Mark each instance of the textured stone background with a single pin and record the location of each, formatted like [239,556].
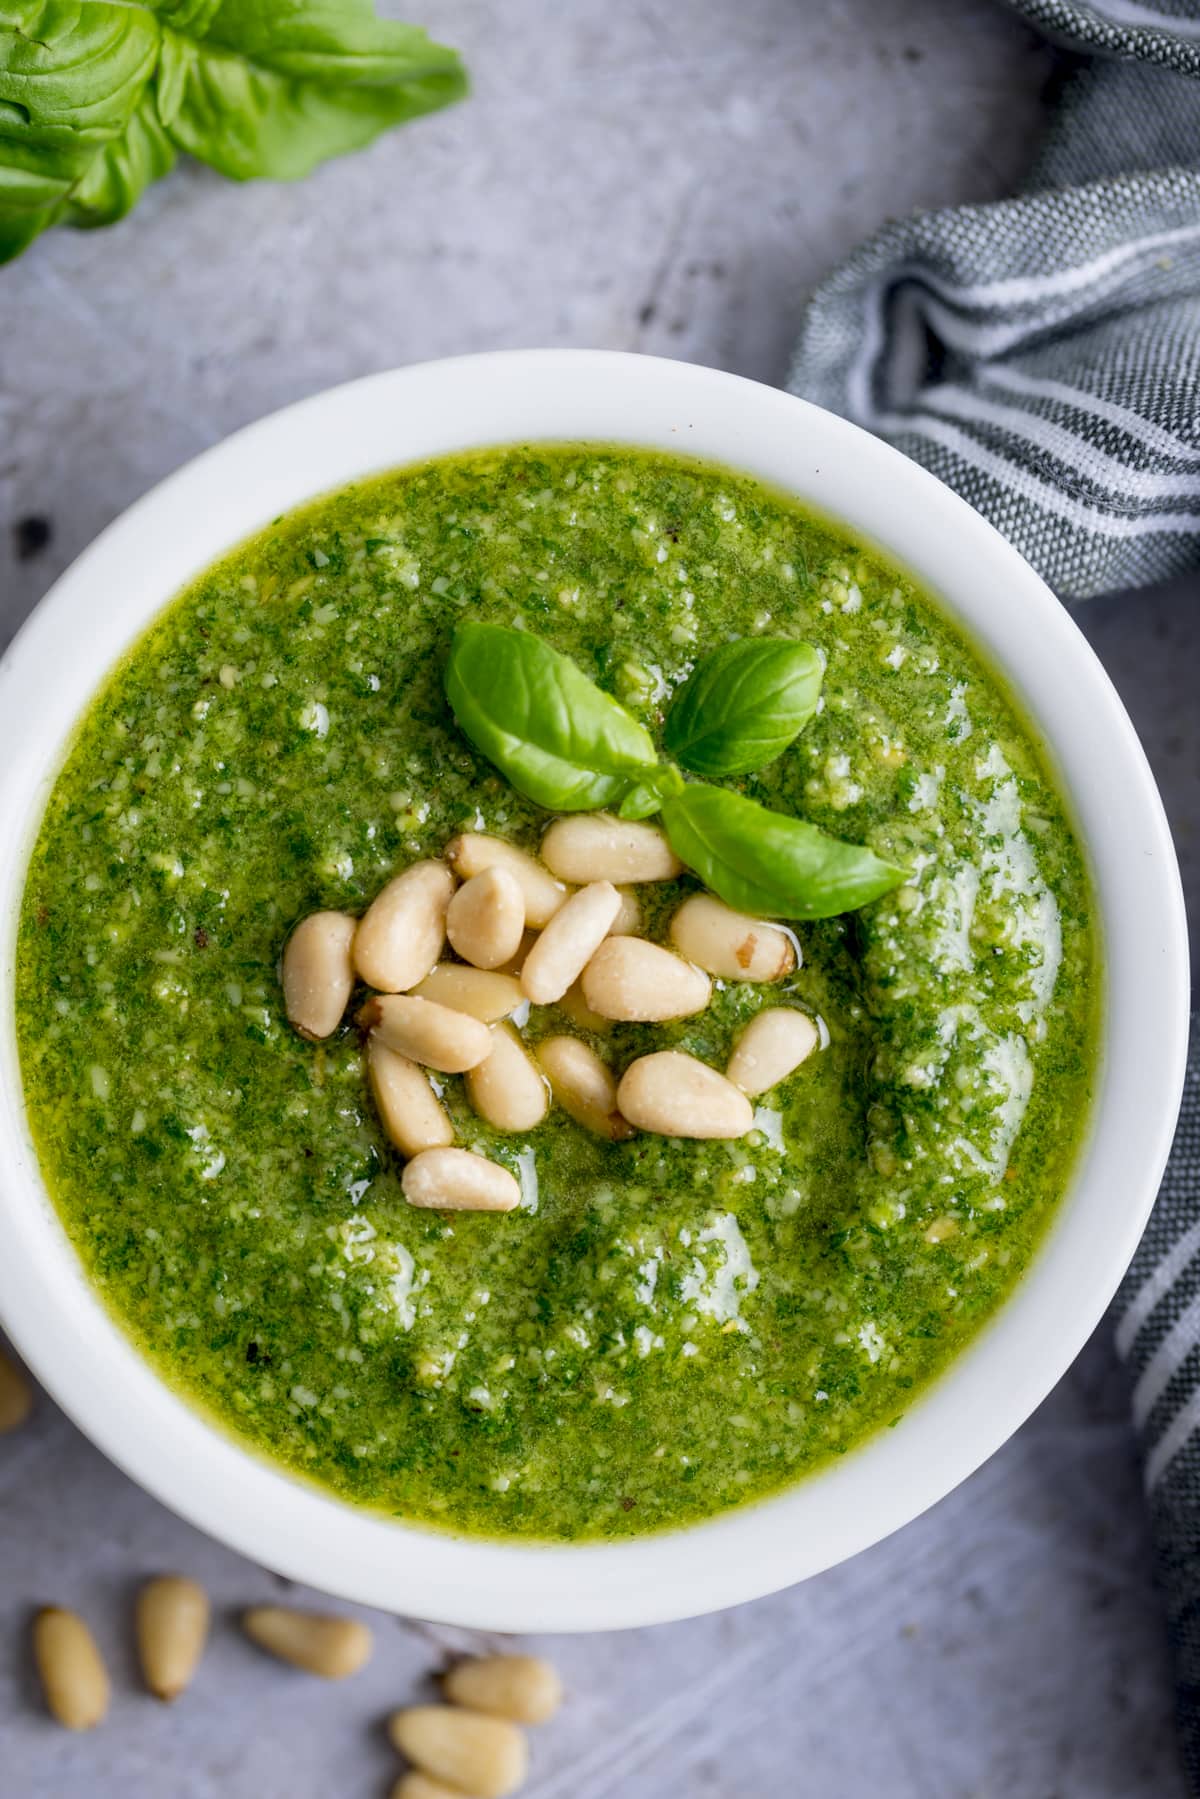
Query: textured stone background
[642,176]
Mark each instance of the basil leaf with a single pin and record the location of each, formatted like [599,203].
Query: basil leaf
[558,738]
[341,41]
[743,705]
[274,90]
[71,78]
[647,796]
[768,863]
[119,175]
[192,17]
[96,96]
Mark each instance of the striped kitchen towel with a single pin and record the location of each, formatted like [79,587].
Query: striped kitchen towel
[1157,1313]
[1042,356]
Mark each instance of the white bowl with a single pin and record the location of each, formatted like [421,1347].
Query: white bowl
[106,600]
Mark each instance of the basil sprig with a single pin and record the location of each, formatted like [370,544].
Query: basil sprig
[743,705]
[560,740]
[97,97]
[570,747]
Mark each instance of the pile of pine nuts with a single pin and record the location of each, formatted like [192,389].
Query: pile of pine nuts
[471,1748]
[561,932]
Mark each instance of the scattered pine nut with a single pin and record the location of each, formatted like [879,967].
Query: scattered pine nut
[508,1089]
[412,1116]
[941,1230]
[315,1641]
[585,1089]
[728,943]
[568,942]
[675,1095]
[318,973]
[471,853]
[71,1668]
[401,935]
[595,846]
[631,979]
[771,1047]
[486,918]
[521,1687]
[16,1394]
[484,993]
[472,1753]
[457,1180]
[415,1785]
[172,1629]
[436,1036]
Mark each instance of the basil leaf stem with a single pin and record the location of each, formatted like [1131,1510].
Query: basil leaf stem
[647,796]
[743,705]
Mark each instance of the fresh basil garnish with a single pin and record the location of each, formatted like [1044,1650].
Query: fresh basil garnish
[560,740]
[768,863]
[96,99]
[743,705]
[570,747]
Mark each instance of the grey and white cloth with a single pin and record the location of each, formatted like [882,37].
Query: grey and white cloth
[1042,356]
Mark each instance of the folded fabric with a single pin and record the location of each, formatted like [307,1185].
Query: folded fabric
[1042,356]
[1157,1315]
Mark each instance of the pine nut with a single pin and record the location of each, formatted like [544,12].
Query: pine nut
[631,979]
[580,1013]
[436,1036]
[412,1116]
[595,846]
[480,992]
[677,1096]
[729,944]
[457,1180]
[629,919]
[315,1641]
[16,1394]
[771,1047]
[172,1628]
[486,1757]
[486,917]
[508,1089]
[71,1668]
[471,853]
[521,1687]
[415,1785]
[568,942]
[400,936]
[584,1088]
[318,972]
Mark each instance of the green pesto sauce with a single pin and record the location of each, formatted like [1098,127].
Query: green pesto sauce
[664,1329]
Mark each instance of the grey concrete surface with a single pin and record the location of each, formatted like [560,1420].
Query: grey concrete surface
[665,178]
